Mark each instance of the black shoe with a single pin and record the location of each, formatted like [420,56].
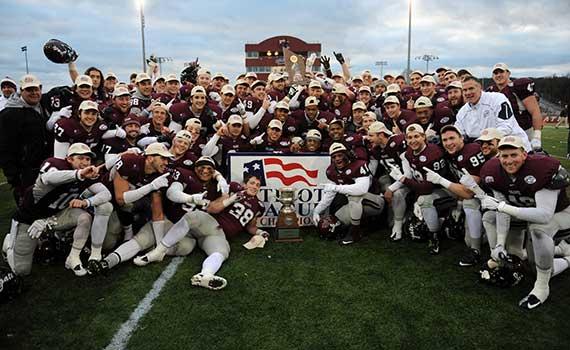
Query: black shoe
[95,267]
[433,246]
[473,257]
[352,236]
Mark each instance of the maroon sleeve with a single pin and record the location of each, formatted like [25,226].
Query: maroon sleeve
[523,88]
[63,130]
[235,187]
[127,165]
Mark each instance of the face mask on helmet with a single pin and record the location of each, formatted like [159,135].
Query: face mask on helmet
[504,274]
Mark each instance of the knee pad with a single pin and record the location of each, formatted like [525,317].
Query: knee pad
[104,209]
[490,217]
[425,201]
[145,238]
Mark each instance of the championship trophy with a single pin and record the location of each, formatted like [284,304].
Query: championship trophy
[287,227]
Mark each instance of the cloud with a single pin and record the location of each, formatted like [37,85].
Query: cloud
[530,36]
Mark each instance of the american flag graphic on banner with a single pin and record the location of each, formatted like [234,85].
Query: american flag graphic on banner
[286,172]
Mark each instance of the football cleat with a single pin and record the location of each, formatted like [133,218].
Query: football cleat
[395,236]
[212,282]
[353,235]
[95,267]
[433,246]
[157,254]
[471,258]
[74,264]
[530,302]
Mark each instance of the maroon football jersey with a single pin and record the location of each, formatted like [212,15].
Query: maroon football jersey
[516,91]
[430,157]
[535,174]
[346,176]
[343,112]
[166,98]
[42,200]
[72,131]
[181,112]
[252,104]
[281,145]
[116,145]
[131,168]
[113,116]
[138,101]
[191,185]
[470,158]
[235,218]
[354,143]
[390,155]
[186,161]
[410,93]
[304,124]
[406,118]
[276,95]
[238,144]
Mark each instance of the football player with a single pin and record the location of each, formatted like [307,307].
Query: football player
[277,90]
[171,92]
[428,88]
[57,194]
[311,117]
[355,143]
[355,123]
[133,177]
[141,98]
[312,142]
[110,82]
[114,114]
[272,140]
[340,103]
[350,178]
[115,145]
[397,119]
[432,119]
[229,137]
[486,110]
[531,188]
[88,129]
[463,157]
[387,149]
[455,96]
[421,159]
[159,127]
[489,141]
[241,86]
[225,218]
[520,93]
[194,126]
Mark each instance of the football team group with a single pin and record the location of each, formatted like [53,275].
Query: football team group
[138,169]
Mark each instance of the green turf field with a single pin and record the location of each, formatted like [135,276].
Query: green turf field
[313,295]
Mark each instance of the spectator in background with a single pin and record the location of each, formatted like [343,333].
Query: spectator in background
[8,89]
[563,116]
[24,140]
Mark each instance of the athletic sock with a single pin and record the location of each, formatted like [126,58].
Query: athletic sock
[212,263]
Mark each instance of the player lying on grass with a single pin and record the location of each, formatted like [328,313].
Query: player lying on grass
[224,218]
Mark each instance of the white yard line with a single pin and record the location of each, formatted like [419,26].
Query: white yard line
[121,338]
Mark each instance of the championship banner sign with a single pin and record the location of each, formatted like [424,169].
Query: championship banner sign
[304,172]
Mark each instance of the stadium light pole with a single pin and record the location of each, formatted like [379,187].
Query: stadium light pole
[25,51]
[382,64]
[140,4]
[427,58]
[409,39]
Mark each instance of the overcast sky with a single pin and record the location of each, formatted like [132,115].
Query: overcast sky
[532,37]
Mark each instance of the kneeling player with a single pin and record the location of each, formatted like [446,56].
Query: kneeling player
[531,188]
[55,193]
[421,159]
[352,179]
[225,217]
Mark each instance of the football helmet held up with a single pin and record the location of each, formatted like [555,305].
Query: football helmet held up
[59,52]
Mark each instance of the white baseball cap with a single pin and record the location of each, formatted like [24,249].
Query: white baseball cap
[29,80]
[79,148]
[157,149]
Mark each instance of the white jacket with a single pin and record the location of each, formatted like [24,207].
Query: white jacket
[492,111]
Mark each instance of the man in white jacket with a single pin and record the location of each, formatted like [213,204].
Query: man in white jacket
[486,110]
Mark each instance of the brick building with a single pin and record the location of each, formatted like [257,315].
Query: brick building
[267,56]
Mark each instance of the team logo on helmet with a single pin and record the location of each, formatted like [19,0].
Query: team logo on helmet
[489,179]
[460,158]
[423,158]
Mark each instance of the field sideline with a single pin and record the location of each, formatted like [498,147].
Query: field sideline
[313,295]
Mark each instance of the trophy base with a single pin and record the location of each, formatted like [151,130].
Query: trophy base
[287,235]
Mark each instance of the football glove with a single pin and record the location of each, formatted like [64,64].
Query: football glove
[241,108]
[489,203]
[395,173]
[316,218]
[198,199]
[258,140]
[262,233]
[120,133]
[37,228]
[160,182]
[339,57]
[498,253]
